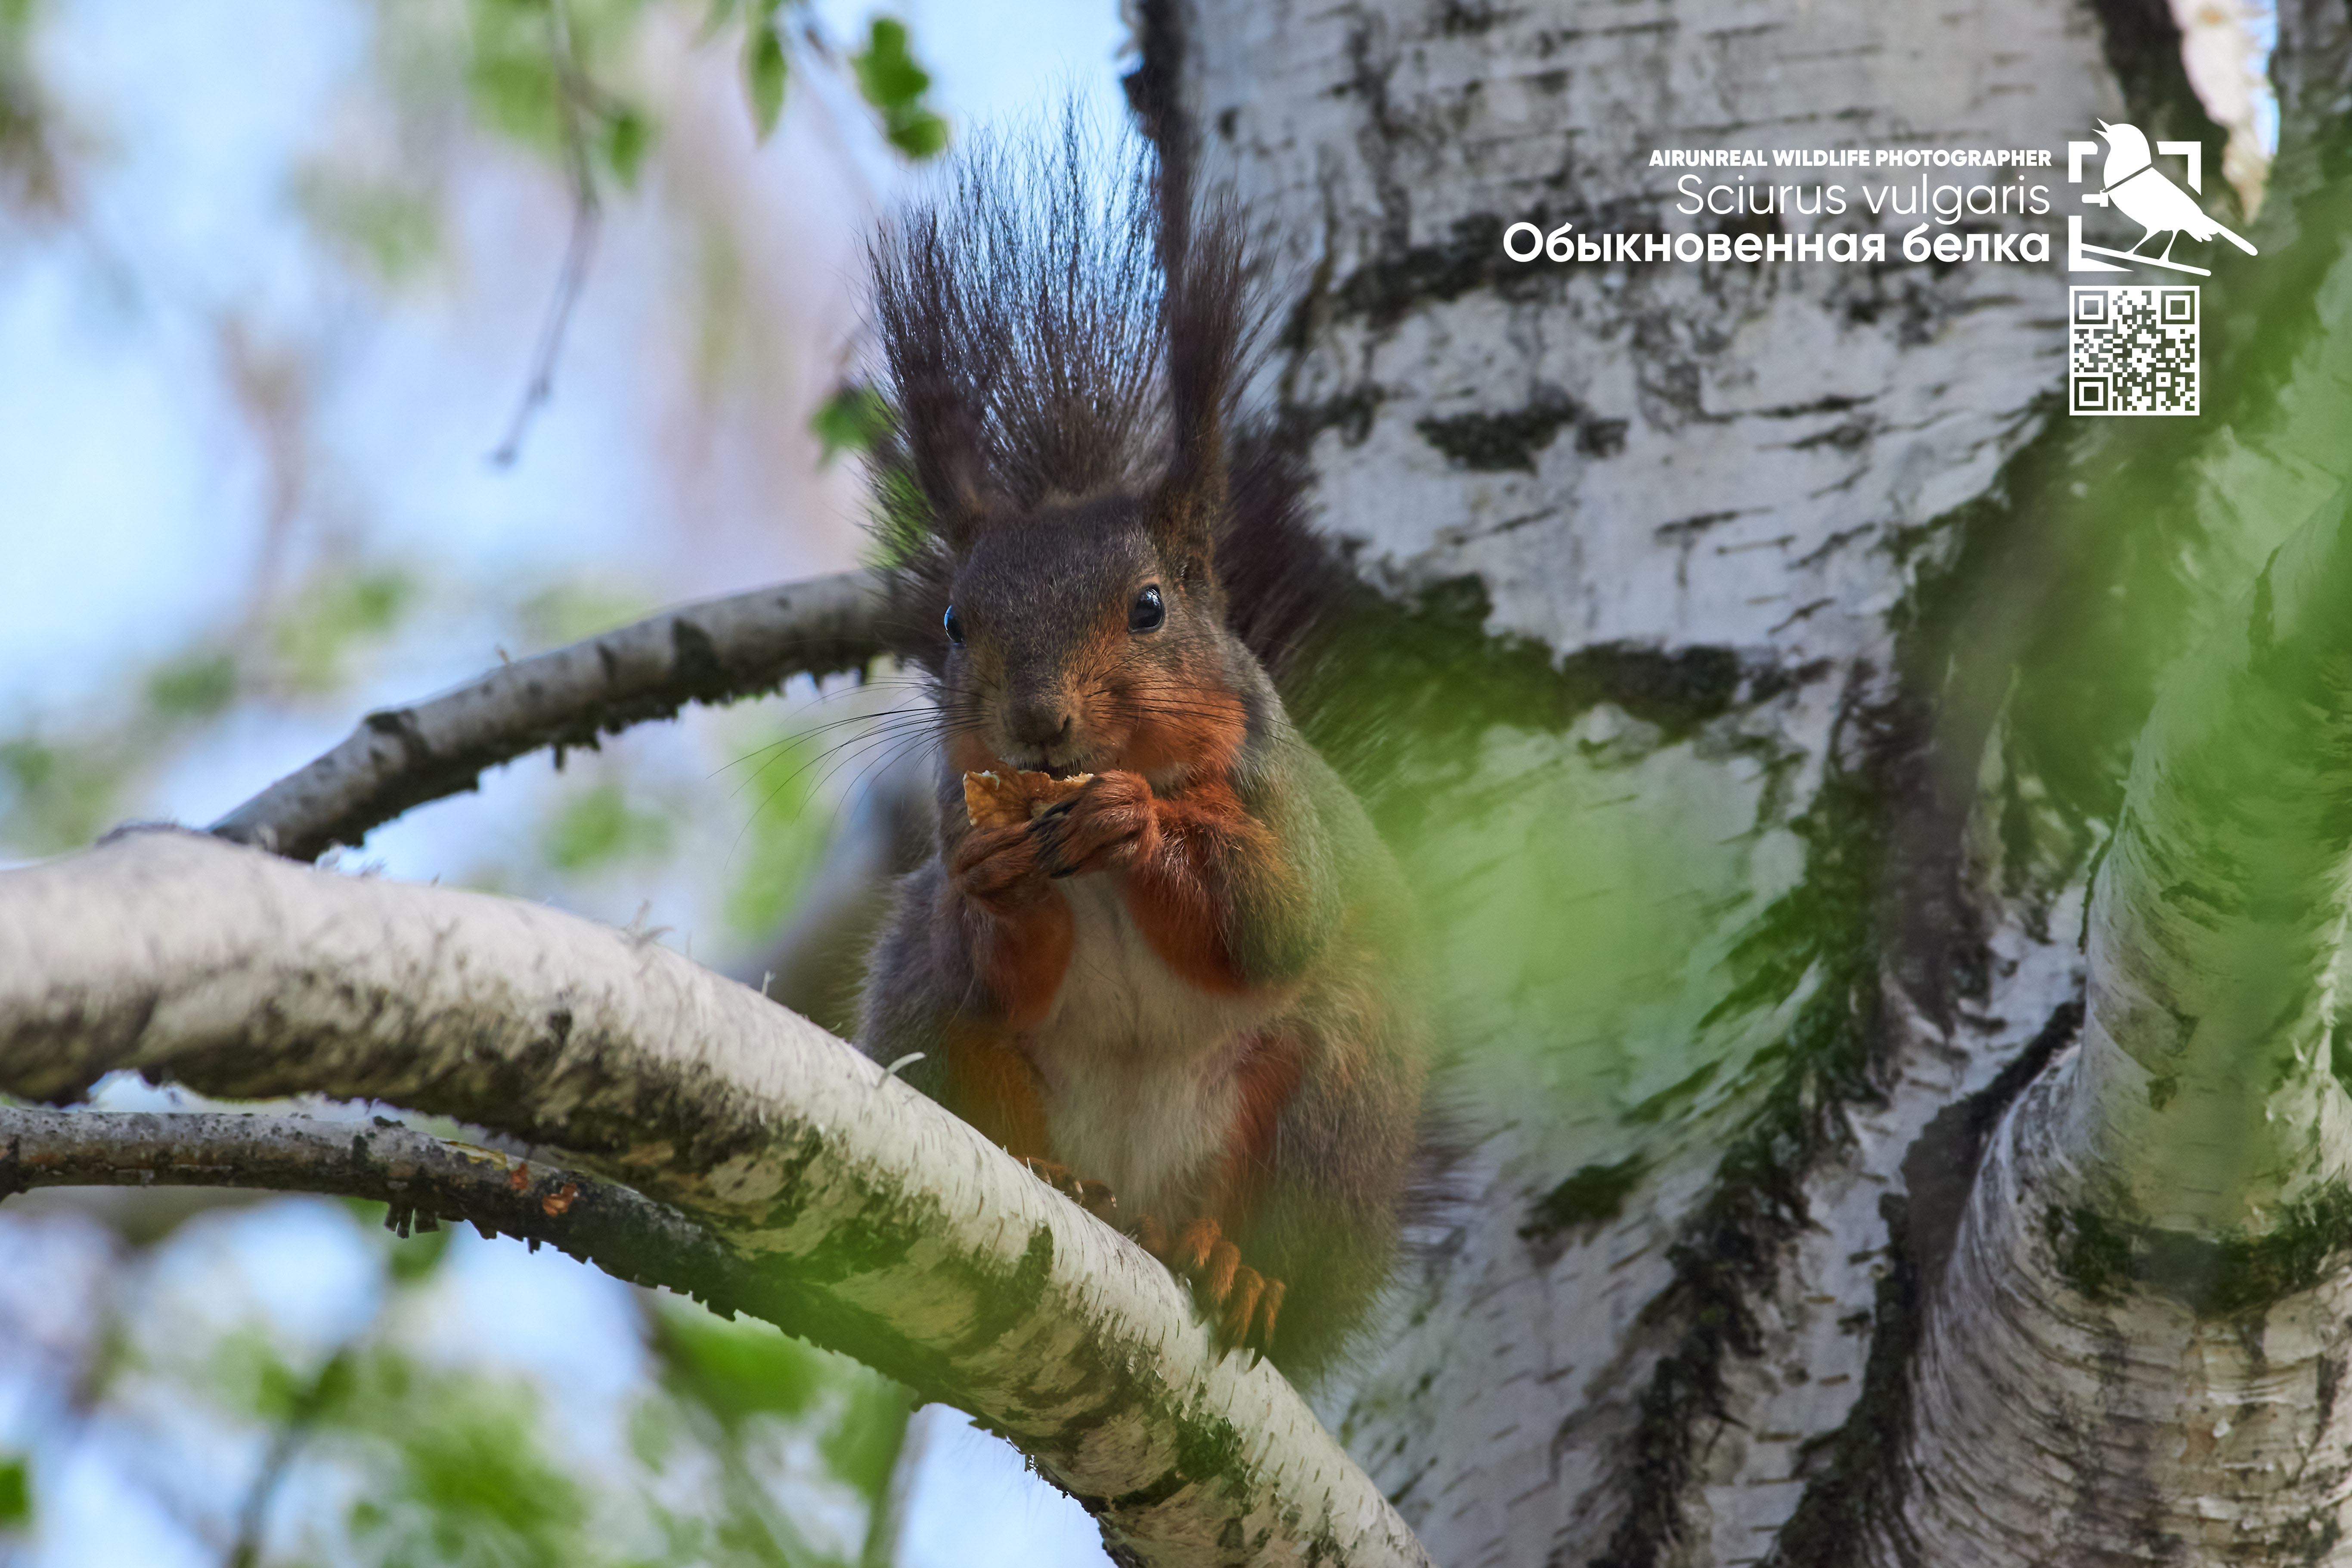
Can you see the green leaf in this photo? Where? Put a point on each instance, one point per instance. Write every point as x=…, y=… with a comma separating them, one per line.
x=852, y=420
x=917, y=134
x=886, y=73
x=57, y=796
x=763, y=69
x=29, y=763
x=390, y=226
x=889, y=79
x=328, y=616
x=784, y=839
x=15, y=1493
x=654, y=1433
x=629, y=135
x=863, y=1447
x=514, y=92
x=566, y=612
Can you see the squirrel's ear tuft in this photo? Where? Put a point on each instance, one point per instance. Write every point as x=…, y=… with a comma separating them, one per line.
x=931, y=360
x=1203, y=317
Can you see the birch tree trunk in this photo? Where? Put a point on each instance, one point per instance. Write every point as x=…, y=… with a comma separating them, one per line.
x=1787, y=644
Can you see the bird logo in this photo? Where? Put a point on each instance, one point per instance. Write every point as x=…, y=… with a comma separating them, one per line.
x=2134, y=186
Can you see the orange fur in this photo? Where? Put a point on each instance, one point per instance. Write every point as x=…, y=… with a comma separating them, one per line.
x=1194, y=729
x=1183, y=907
x=1269, y=1076
x=991, y=1085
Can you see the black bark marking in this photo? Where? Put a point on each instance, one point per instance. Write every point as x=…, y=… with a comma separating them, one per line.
x=1497, y=443
x=1855, y=1494
x=2106, y=1260
x=1587, y=1200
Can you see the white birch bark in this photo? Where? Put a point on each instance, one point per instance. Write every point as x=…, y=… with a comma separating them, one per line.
x=2138, y=1349
x=1781, y=429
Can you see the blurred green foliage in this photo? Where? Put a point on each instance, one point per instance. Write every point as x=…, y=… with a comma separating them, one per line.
x=785, y=830
x=195, y=687
x=567, y=611
x=58, y=795
x=62, y=784
x=390, y=223
x=597, y=826
x=764, y=65
x=733, y=1372
x=538, y=72
x=853, y=419
x=893, y=83
x=30, y=175
x=446, y=1467
x=317, y=629
x=376, y=1449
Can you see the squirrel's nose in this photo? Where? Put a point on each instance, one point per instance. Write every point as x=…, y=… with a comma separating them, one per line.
x=1039, y=722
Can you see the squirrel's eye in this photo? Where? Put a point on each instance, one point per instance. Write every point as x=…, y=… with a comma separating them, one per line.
x=1147, y=612
x=954, y=624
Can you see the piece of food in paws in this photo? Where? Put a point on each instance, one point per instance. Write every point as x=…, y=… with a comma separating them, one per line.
x=1045, y=792
x=994, y=799
x=1002, y=800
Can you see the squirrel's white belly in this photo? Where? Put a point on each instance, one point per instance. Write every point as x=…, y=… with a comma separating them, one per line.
x=1139, y=1063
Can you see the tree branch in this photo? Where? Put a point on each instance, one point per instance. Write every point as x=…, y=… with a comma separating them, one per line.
x=715, y=651
x=423, y=1179
x=866, y=1218
x=571, y=87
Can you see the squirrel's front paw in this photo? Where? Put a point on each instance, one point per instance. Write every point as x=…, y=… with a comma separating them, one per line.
x=1240, y=1303
x=1107, y=827
x=999, y=866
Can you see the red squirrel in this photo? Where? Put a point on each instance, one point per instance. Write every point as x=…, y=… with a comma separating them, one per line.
x=1185, y=994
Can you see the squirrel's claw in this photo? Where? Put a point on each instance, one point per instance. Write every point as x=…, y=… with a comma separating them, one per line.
x=1094, y=1197
x=1108, y=825
x=1241, y=1303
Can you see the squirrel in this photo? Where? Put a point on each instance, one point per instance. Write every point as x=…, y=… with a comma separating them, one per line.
x=1183, y=990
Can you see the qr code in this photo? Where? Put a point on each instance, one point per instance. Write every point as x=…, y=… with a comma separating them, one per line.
x=2132, y=349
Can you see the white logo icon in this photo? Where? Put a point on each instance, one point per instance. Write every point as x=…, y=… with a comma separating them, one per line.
x=2133, y=185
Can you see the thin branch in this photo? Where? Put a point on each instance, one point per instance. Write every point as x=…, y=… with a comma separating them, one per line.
x=863, y=1216
x=587, y=212
x=252, y=1514
x=424, y=1180
x=715, y=651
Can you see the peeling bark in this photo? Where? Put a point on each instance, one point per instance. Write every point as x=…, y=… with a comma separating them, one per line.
x=868, y=1219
